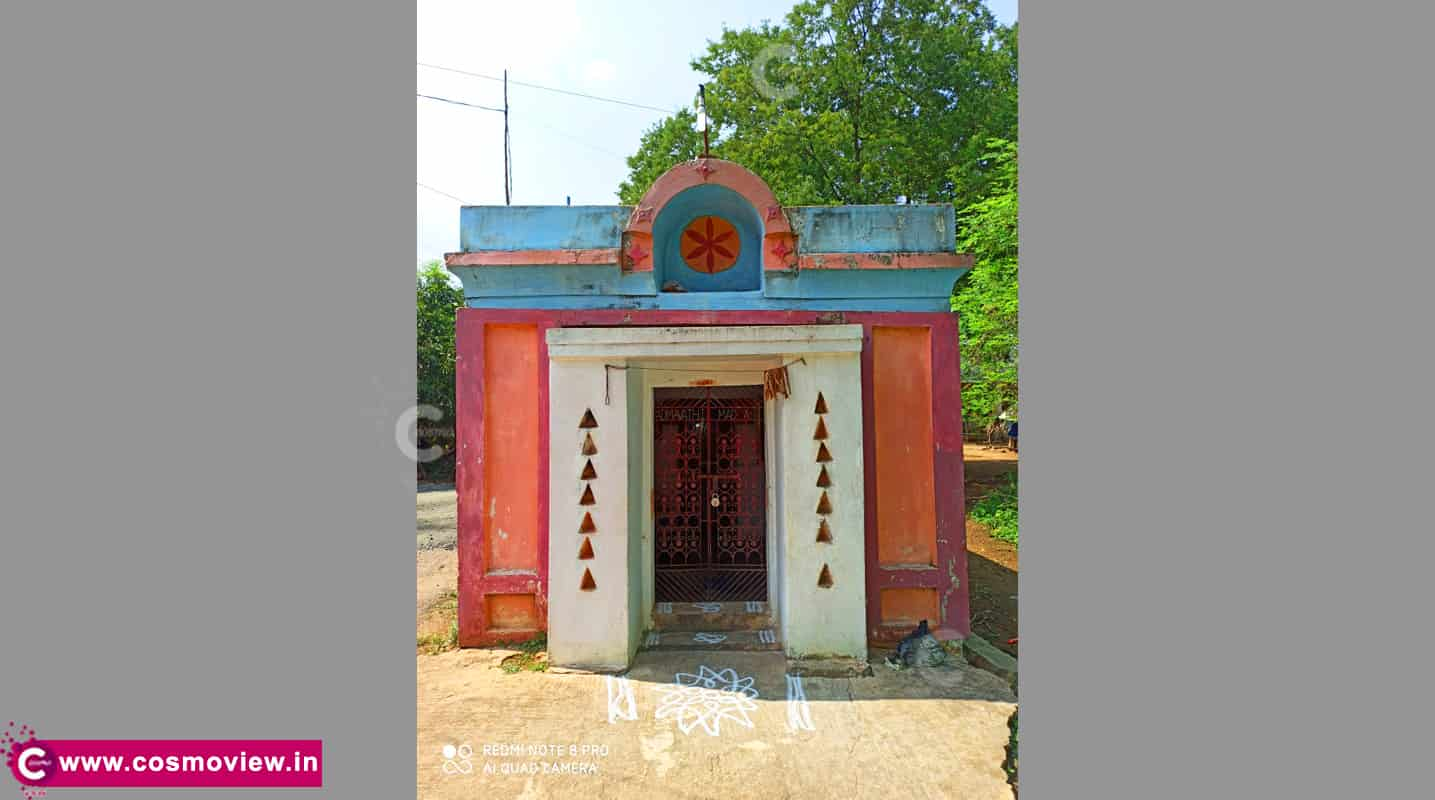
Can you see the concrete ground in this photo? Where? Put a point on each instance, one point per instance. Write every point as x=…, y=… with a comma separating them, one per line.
x=692, y=723
x=740, y=730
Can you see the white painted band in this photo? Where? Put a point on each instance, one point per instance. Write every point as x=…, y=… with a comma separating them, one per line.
x=670, y=342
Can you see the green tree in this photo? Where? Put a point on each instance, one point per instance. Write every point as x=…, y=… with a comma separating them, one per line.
x=878, y=99
x=672, y=141
x=874, y=99
x=986, y=297
x=438, y=299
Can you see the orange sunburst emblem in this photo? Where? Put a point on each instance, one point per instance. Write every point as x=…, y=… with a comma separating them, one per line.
x=710, y=244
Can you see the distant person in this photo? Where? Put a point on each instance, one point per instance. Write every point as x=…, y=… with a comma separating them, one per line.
x=1011, y=434
x=993, y=428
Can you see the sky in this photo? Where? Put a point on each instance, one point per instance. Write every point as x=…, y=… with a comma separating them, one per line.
x=562, y=146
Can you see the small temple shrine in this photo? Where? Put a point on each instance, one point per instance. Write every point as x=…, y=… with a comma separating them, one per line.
x=708, y=421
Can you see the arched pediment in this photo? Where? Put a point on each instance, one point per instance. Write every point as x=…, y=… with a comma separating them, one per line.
x=668, y=230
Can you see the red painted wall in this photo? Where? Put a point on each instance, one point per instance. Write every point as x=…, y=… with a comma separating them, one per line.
x=902, y=418
x=915, y=526
x=902, y=352
x=501, y=404
x=902, y=422
x=508, y=504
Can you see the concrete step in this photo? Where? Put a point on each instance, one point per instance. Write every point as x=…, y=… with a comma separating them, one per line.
x=764, y=639
x=714, y=617
x=982, y=654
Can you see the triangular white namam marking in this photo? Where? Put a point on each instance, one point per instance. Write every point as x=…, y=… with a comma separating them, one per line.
x=621, y=702
x=799, y=714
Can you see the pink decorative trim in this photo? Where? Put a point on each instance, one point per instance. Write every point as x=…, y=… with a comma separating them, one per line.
x=708, y=170
x=779, y=253
x=636, y=254
x=642, y=214
x=884, y=261
x=516, y=258
x=773, y=212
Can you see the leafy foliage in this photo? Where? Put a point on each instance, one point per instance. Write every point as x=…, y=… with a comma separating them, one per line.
x=444, y=610
x=986, y=297
x=879, y=98
x=998, y=511
x=437, y=301
x=434, y=643
x=672, y=141
x=1011, y=763
x=532, y=656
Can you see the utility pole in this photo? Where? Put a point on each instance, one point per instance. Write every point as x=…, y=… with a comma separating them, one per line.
x=703, y=112
x=507, y=171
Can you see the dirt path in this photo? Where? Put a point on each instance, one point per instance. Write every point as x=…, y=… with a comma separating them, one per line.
x=437, y=559
x=991, y=562
x=985, y=469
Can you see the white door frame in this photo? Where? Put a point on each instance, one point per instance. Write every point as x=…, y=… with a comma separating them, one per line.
x=701, y=372
x=812, y=617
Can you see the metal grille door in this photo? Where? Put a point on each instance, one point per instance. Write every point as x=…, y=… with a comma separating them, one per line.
x=709, y=494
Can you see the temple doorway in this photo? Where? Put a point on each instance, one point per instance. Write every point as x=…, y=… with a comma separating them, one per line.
x=709, y=494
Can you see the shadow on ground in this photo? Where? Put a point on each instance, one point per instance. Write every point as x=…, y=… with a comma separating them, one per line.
x=706, y=723
x=991, y=563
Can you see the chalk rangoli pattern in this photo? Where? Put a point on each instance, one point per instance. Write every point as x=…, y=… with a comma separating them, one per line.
x=707, y=698
x=665, y=608
x=621, y=703
x=767, y=637
x=653, y=639
x=754, y=606
x=799, y=715
x=711, y=608
x=709, y=638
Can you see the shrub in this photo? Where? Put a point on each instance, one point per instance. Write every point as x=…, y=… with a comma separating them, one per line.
x=998, y=511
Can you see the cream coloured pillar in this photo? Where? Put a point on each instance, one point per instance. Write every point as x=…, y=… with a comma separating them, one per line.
x=822, y=617
x=588, y=592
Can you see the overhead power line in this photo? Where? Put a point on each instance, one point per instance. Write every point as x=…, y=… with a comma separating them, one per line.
x=549, y=89
x=460, y=200
x=549, y=128
x=507, y=154
x=459, y=103
x=578, y=140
